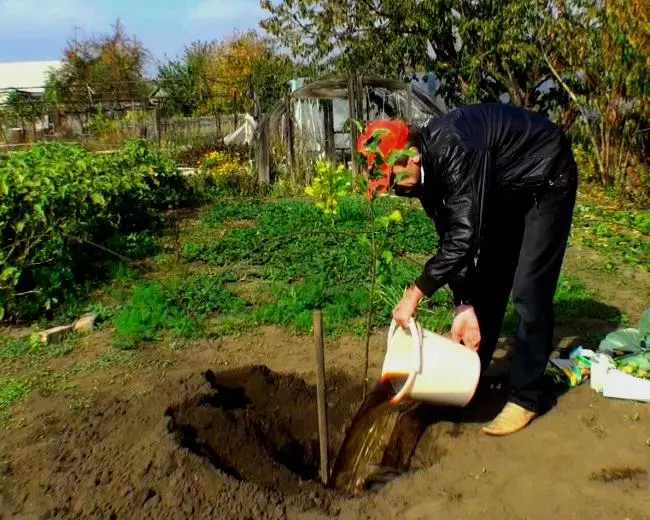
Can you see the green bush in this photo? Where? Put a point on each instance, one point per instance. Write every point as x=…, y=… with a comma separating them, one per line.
x=228, y=174
x=57, y=200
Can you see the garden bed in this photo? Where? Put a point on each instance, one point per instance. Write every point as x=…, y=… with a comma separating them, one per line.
x=196, y=396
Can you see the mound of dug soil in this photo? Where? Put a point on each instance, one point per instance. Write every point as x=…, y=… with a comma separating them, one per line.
x=234, y=444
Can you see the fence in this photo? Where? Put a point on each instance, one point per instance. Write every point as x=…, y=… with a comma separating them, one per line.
x=28, y=118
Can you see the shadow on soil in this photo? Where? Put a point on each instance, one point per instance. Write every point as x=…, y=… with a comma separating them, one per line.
x=259, y=426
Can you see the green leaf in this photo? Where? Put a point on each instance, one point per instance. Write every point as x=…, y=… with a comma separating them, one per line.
x=387, y=256
x=98, y=199
x=396, y=155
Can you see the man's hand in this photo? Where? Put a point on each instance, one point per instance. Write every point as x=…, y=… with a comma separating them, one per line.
x=407, y=305
x=465, y=327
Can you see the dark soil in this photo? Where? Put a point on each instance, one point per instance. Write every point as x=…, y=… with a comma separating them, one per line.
x=145, y=439
x=256, y=426
x=235, y=444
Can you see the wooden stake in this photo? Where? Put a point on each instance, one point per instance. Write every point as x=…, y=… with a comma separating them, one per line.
x=322, y=401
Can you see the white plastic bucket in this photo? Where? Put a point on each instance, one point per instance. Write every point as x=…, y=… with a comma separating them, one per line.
x=425, y=366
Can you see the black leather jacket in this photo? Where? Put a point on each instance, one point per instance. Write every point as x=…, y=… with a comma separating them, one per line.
x=469, y=156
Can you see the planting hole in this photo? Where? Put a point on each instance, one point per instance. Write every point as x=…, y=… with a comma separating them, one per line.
x=259, y=426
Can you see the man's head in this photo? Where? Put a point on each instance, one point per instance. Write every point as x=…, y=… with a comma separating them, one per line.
x=405, y=174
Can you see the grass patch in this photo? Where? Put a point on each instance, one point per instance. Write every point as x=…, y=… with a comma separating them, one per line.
x=149, y=312
x=11, y=392
x=31, y=346
x=621, y=235
x=307, y=260
x=295, y=259
x=178, y=308
x=19, y=347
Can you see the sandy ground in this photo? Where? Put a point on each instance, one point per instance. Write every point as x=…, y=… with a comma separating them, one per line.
x=228, y=429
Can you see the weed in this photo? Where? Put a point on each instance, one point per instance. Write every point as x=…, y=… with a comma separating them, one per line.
x=591, y=422
x=11, y=391
x=179, y=308
x=61, y=349
x=103, y=312
x=599, y=430
x=622, y=236
x=231, y=324
x=31, y=346
x=18, y=347
x=107, y=360
x=79, y=403
x=148, y=313
x=634, y=417
x=204, y=295
x=244, y=210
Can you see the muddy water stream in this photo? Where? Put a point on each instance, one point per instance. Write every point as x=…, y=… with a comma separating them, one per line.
x=379, y=443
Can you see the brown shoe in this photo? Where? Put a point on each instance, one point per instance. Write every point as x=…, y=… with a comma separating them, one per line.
x=511, y=419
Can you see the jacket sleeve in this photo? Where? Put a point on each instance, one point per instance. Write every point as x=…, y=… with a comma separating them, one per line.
x=463, y=283
x=453, y=262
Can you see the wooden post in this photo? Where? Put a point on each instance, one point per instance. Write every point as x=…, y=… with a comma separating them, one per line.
x=328, y=114
x=264, y=156
x=291, y=138
x=352, y=105
x=322, y=401
x=156, y=115
x=133, y=123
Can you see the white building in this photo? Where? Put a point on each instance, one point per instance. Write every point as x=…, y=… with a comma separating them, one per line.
x=26, y=76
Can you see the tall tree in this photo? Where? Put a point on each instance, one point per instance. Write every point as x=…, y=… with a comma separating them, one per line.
x=601, y=59
x=245, y=64
x=230, y=69
x=109, y=68
x=184, y=82
x=23, y=107
x=478, y=50
x=224, y=75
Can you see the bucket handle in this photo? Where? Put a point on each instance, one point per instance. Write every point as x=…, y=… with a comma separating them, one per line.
x=410, y=380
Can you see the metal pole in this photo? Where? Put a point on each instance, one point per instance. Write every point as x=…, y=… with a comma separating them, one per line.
x=322, y=401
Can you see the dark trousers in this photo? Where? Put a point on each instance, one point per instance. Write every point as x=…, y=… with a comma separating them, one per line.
x=522, y=251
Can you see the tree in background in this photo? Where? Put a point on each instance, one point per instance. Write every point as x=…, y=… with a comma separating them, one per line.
x=270, y=73
x=225, y=76
x=479, y=51
x=602, y=64
x=22, y=107
x=183, y=82
x=246, y=64
x=107, y=69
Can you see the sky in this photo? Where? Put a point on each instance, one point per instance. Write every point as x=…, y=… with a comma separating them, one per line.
x=39, y=29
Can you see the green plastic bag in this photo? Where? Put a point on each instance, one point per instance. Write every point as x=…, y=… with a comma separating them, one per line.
x=622, y=340
x=644, y=323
